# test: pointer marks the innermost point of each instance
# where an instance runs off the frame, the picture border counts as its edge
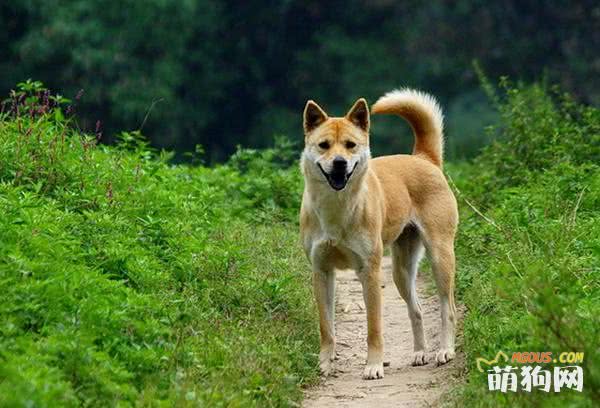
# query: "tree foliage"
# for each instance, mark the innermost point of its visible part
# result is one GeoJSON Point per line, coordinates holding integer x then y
{"type": "Point", "coordinates": [223, 73]}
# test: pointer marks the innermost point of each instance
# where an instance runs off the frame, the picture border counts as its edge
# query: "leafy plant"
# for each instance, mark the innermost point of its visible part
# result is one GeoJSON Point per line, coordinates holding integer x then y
{"type": "Point", "coordinates": [129, 281]}
{"type": "Point", "coordinates": [528, 250]}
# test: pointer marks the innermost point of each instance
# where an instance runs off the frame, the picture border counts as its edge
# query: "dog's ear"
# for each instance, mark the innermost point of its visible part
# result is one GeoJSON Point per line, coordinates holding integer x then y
{"type": "Point", "coordinates": [313, 116]}
{"type": "Point", "coordinates": [359, 114]}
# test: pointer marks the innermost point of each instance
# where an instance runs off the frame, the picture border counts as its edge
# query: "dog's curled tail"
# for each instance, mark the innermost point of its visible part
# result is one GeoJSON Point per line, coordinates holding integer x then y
{"type": "Point", "coordinates": [425, 116]}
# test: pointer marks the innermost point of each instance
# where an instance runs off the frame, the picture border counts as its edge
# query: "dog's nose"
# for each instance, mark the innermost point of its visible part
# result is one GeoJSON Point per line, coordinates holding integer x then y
{"type": "Point", "coordinates": [339, 162]}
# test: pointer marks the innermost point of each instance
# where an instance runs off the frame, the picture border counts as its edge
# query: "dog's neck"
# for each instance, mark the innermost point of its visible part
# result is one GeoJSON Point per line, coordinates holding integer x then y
{"type": "Point", "coordinates": [336, 209]}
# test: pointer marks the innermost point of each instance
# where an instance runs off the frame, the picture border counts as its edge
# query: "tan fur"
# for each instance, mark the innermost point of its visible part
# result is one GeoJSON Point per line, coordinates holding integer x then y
{"type": "Point", "coordinates": [401, 201]}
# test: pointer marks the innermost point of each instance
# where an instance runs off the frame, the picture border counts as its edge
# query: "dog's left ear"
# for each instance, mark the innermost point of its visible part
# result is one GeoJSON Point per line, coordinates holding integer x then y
{"type": "Point", "coordinates": [359, 114]}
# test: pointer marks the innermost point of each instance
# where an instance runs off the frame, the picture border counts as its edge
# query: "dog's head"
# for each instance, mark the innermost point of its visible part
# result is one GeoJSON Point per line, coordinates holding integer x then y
{"type": "Point", "coordinates": [336, 150]}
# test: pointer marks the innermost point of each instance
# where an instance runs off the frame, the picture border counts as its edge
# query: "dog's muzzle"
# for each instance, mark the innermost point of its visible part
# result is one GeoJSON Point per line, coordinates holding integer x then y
{"type": "Point", "coordinates": [339, 175]}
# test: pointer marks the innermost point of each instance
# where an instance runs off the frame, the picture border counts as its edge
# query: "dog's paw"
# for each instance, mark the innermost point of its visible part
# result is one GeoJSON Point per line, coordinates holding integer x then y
{"type": "Point", "coordinates": [326, 368]}
{"type": "Point", "coordinates": [326, 361]}
{"type": "Point", "coordinates": [444, 356]}
{"type": "Point", "coordinates": [419, 358]}
{"type": "Point", "coordinates": [373, 371]}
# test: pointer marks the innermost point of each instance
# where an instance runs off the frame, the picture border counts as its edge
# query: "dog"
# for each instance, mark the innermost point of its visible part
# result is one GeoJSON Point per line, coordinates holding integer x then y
{"type": "Point", "coordinates": [354, 206]}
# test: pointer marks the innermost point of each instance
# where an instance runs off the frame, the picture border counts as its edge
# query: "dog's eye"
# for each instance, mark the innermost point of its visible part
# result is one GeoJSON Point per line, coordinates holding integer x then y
{"type": "Point", "coordinates": [324, 145]}
{"type": "Point", "coordinates": [350, 145]}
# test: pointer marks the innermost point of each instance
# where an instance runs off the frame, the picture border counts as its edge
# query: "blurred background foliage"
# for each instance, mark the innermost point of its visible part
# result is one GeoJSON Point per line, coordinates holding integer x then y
{"type": "Point", "coordinates": [226, 73]}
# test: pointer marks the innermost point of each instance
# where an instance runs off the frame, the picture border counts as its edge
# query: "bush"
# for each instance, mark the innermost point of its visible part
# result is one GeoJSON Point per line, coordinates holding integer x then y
{"type": "Point", "coordinates": [538, 131]}
{"type": "Point", "coordinates": [130, 281]}
{"type": "Point", "coordinates": [529, 272]}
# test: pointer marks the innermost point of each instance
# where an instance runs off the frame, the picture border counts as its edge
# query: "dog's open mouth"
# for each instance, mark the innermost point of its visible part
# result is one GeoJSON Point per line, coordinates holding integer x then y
{"type": "Point", "coordinates": [338, 178]}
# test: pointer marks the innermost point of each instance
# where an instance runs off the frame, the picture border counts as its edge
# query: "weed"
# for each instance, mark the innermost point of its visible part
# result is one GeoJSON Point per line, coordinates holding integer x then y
{"type": "Point", "coordinates": [129, 281]}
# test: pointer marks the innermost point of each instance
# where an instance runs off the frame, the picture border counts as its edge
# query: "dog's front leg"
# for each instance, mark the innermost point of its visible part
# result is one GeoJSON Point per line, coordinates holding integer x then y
{"type": "Point", "coordinates": [324, 289]}
{"type": "Point", "coordinates": [370, 278]}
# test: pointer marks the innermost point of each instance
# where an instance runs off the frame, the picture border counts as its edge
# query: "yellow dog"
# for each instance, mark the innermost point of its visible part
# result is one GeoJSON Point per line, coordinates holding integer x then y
{"type": "Point", "coordinates": [354, 206]}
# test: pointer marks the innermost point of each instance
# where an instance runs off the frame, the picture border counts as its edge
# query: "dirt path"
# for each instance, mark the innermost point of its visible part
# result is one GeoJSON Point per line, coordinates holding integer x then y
{"type": "Point", "coordinates": [403, 385]}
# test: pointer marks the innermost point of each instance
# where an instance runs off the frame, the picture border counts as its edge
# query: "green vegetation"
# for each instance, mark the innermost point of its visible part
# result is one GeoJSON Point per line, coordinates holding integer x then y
{"type": "Point", "coordinates": [130, 281]}
{"type": "Point", "coordinates": [529, 263]}
{"type": "Point", "coordinates": [221, 72]}
{"type": "Point", "coordinates": [127, 281]}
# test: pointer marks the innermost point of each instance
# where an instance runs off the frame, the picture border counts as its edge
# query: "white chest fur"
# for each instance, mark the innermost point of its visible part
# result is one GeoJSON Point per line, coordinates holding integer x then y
{"type": "Point", "coordinates": [338, 215]}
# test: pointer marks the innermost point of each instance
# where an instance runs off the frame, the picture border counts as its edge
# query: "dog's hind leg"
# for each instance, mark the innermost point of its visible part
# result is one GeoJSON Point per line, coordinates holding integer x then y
{"type": "Point", "coordinates": [324, 291]}
{"type": "Point", "coordinates": [443, 264]}
{"type": "Point", "coordinates": [440, 248]}
{"type": "Point", "coordinates": [407, 252]}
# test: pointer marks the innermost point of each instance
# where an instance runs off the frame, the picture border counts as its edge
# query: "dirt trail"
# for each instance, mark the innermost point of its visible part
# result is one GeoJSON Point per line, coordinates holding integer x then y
{"type": "Point", "coordinates": [403, 385]}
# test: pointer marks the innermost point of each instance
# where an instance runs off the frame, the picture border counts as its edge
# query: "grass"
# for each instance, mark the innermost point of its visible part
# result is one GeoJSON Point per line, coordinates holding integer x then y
{"type": "Point", "coordinates": [529, 242]}
{"type": "Point", "coordinates": [127, 281]}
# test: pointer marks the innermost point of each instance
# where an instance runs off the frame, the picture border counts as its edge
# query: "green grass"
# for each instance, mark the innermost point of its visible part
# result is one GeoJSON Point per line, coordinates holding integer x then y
{"type": "Point", "coordinates": [529, 264]}
{"type": "Point", "coordinates": [127, 281]}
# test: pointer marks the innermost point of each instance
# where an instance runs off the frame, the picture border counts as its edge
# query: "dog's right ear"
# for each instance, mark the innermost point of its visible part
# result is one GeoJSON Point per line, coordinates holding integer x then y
{"type": "Point", "coordinates": [313, 116]}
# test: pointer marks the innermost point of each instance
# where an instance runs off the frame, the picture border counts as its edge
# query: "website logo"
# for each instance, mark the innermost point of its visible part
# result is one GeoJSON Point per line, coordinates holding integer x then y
{"type": "Point", "coordinates": [521, 375]}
